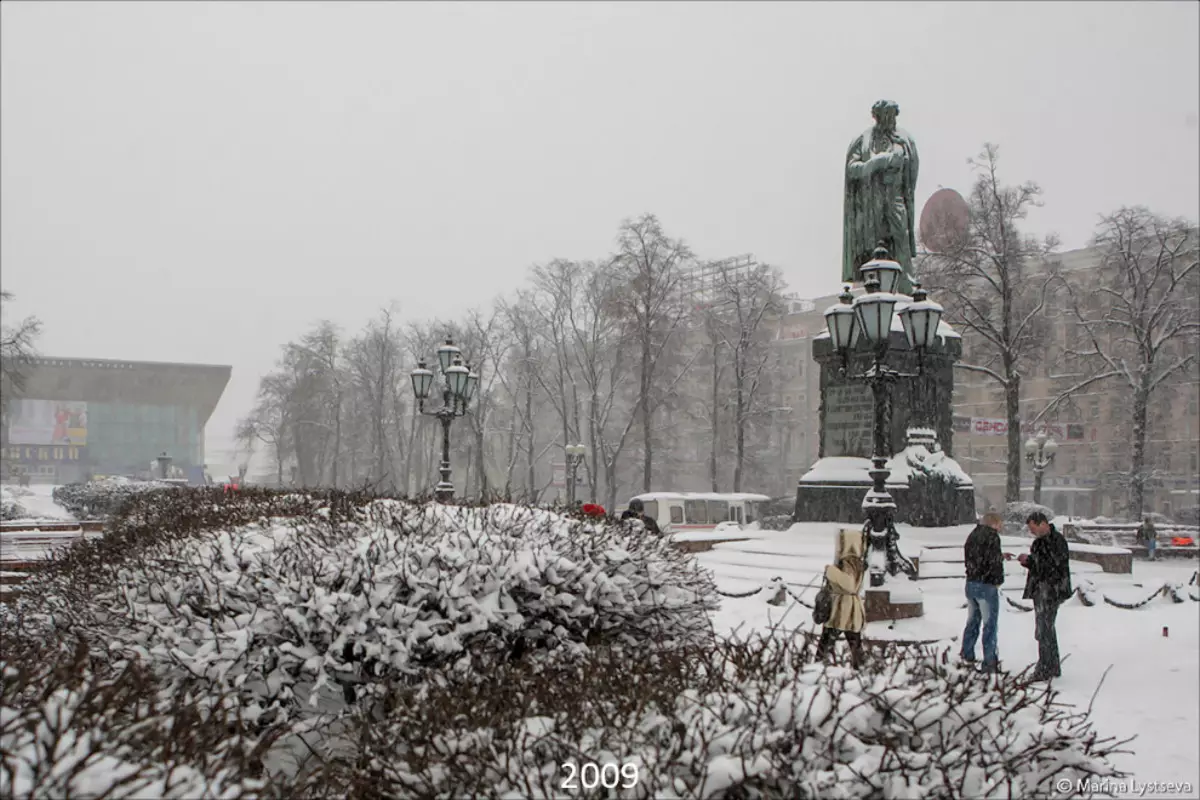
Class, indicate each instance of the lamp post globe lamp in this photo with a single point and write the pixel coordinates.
(459, 384)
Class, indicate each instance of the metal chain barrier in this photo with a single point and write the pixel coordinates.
(1165, 591)
(775, 583)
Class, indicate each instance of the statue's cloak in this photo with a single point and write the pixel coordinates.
(863, 225)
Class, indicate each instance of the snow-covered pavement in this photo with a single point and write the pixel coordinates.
(1152, 686)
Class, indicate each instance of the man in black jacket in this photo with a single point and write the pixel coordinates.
(985, 574)
(1048, 585)
(637, 511)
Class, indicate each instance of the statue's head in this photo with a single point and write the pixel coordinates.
(885, 113)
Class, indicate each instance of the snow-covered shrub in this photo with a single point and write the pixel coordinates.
(287, 609)
(731, 719)
(1016, 513)
(69, 730)
(103, 497)
(776, 522)
(10, 504)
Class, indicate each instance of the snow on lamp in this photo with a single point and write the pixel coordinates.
(882, 270)
(842, 323)
(446, 355)
(875, 311)
(921, 319)
(456, 377)
(422, 380)
(472, 384)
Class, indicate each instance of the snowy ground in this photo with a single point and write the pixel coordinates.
(1152, 689)
(37, 500)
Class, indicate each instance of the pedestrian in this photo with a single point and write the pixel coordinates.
(637, 511)
(984, 563)
(1148, 534)
(845, 576)
(1048, 585)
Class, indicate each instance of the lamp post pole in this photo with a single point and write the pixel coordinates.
(459, 385)
(1040, 451)
(575, 453)
(869, 318)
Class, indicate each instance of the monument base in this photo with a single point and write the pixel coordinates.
(841, 502)
(883, 604)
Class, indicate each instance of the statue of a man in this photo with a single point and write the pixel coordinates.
(881, 178)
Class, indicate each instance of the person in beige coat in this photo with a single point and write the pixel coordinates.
(845, 578)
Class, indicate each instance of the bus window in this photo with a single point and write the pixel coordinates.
(697, 512)
(676, 515)
(718, 510)
(737, 512)
(650, 509)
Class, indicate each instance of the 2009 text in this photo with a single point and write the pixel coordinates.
(590, 775)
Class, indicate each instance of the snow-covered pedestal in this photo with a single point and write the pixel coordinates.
(921, 433)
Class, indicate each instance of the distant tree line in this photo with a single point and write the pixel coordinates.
(654, 360)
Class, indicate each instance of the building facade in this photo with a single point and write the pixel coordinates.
(76, 418)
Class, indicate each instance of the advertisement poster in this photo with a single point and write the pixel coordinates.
(47, 422)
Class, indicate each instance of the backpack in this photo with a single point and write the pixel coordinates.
(823, 605)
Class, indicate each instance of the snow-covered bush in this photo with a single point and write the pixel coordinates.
(1016, 513)
(288, 608)
(10, 503)
(103, 497)
(733, 719)
(68, 730)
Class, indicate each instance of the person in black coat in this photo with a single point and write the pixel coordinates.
(637, 511)
(1048, 585)
(984, 563)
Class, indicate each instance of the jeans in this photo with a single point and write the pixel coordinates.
(1045, 614)
(983, 604)
(830, 635)
(1151, 544)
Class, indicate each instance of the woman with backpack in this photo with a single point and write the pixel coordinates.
(843, 582)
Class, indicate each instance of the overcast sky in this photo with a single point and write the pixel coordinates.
(201, 181)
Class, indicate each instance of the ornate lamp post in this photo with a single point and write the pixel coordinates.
(869, 317)
(459, 385)
(1039, 452)
(575, 454)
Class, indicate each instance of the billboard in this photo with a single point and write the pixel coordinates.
(47, 422)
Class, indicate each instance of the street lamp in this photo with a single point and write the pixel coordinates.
(575, 454)
(459, 386)
(869, 317)
(1039, 452)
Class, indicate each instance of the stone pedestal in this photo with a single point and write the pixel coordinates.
(833, 490)
(881, 606)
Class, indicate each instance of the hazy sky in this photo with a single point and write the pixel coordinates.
(201, 181)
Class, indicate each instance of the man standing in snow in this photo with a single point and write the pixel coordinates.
(1048, 585)
(1149, 537)
(985, 573)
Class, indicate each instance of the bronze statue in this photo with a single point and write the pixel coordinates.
(880, 210)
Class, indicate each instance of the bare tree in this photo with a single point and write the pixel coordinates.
(650, 265)
(16, 349)
(747, 299)
(268, 422)
(1140, 317)
(995, 282)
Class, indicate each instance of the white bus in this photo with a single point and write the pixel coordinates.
(701, 511)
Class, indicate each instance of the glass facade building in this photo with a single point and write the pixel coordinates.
(76, 418)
